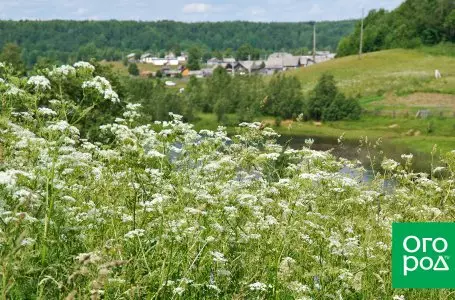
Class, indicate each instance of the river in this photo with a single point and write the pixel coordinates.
(350, 150)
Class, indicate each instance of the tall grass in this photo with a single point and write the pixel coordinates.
(167, 212)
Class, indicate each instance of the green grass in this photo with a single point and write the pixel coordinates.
(121, 69)
(398, 71)
(396, 131)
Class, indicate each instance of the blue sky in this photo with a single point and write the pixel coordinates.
(191, 10)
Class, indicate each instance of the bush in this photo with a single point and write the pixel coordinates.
(133, 69)
(328, 104)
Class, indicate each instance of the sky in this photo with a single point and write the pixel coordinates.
(191, 10)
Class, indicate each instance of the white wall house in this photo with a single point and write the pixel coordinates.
(181, 59)
(159, 61)
(173, 62)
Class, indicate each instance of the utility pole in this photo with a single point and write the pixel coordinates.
(314, 42)
(361, 35)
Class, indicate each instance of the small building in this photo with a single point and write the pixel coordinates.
(229, 60)
(159, 61)
(182, 58)
(185, 72)
(173, 62)
(170, 73)
(282, 61)
(131, 57)
(170, 56)
(249, 66)
(196, 73)
(146, 58)
(214, 62)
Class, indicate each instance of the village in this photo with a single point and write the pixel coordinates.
(174, 66)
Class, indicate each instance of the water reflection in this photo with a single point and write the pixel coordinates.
(350, 149)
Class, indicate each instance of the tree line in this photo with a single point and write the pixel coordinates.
(68, 41)
(246, 97)
(414, 23)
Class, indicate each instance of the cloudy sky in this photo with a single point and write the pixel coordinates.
(190, 10)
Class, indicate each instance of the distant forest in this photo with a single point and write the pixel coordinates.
(414, 23)
(66, 41)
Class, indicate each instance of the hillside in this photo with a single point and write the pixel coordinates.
(386, 75)
(412, 24)
(393, 85)
(69, 40)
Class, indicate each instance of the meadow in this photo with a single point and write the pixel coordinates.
(162, 211)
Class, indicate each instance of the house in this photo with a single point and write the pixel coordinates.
(282, 61)
(186, 72)
(207, 72)
(229, 60)
(146, 58)
(306, 60)
(197, 74)
(249, 66)
(170, 73)
(214, 62)
(173, 62)
(159, 61)
(182, 58)
(170, 56)
(131, 57)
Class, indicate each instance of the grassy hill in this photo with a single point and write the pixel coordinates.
(378, 73)
(392, 86)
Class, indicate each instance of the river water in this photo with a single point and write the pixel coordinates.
(350, 149)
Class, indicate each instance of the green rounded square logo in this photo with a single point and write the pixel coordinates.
(423, 255)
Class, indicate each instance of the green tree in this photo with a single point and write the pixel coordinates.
(218, 54)
(194, 58)
(133, 69)
(322, 96)
(11, 53)
(284, 97)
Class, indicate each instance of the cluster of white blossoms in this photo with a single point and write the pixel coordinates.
(13, 90)
(103, 87)
(163, 209)
(84, 65)
(44, 111)
(39, 82)
(62, 71)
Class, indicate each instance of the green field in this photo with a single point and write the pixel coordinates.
(398, 71)
(413, 134)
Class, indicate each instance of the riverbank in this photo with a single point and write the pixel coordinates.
(406, 134)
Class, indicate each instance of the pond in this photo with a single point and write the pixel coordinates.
(350, 149)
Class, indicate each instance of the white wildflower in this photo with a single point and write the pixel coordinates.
(218, 257)
(44, 111)
(40, 83)
(134, 233)
(62, 71)
(84, 65)
(258, 286)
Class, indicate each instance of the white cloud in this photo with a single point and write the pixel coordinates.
(197, 8)
(81, 11)
(258, 11)
(315, 10)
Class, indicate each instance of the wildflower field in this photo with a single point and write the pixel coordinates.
(161, 211)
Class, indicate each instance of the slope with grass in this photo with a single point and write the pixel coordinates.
(375, 74)
(392, 86)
